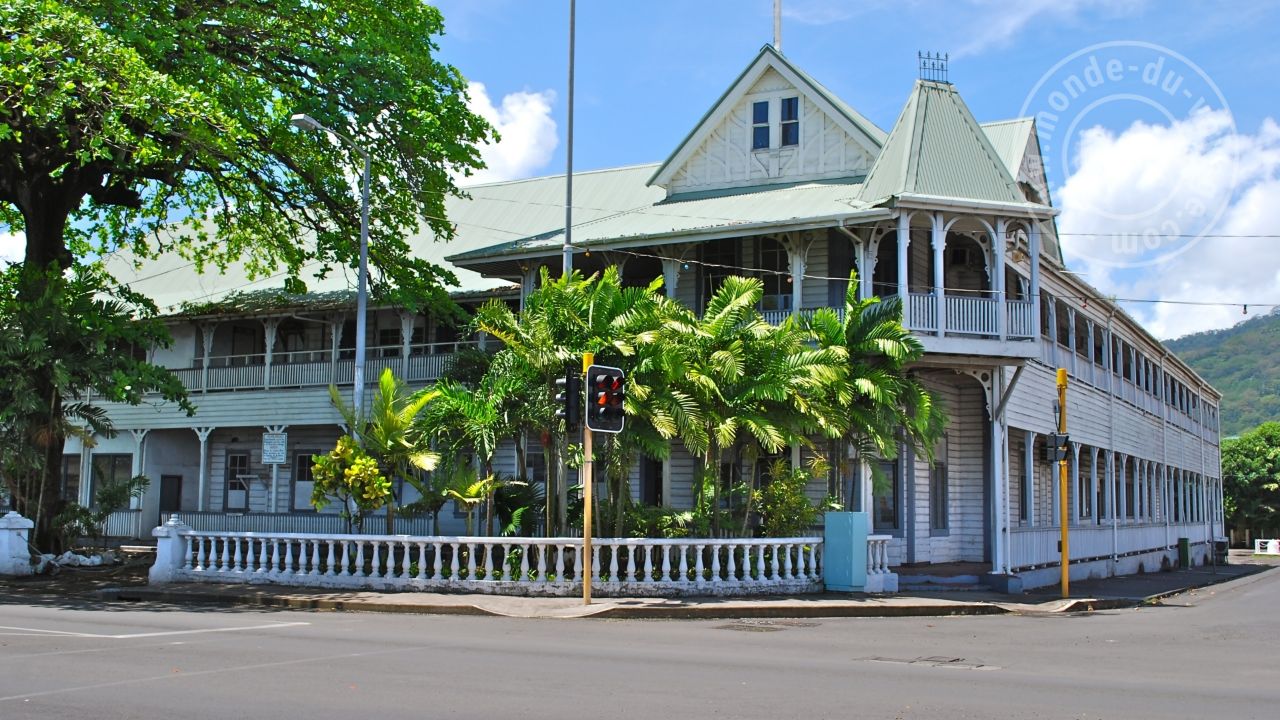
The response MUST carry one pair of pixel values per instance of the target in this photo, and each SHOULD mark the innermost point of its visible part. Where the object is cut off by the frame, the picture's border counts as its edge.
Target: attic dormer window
(760, 125)
(790, 121)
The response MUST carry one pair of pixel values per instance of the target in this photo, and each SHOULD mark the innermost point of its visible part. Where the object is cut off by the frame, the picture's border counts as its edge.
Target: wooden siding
(725, 158)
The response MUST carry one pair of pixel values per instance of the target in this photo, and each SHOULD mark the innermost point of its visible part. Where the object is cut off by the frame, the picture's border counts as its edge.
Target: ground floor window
(884, 499)
(109, 468)
(71, 478)
(303, 482)
(939, 500)
(237, 499)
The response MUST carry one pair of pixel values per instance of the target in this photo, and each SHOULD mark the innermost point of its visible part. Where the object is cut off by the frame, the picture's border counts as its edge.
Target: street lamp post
(306, 122)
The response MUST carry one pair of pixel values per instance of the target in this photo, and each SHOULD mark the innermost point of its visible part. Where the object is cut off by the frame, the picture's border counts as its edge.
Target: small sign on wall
(274, 448)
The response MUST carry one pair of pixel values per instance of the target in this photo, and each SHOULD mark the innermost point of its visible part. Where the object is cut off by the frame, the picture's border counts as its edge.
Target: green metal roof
(693, 214)
(1009, 140)
(937, 149)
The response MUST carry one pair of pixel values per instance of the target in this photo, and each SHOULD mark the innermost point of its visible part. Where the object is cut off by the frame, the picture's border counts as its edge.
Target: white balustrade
(971, 315)
(880, 579)
(1021, 319)
(922, 311)
(498, 565)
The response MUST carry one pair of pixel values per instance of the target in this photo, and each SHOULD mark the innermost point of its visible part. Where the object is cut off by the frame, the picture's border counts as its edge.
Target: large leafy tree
(160, 127)
(1251, 479)
(82, 336)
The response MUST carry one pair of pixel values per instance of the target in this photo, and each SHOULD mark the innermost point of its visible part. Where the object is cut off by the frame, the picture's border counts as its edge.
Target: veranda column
(335, 342)
(1122, 497)
(798, 254)
(269, 327)
(997, 280)
(1033, 289)
(139, 461)
(206, 336)
(1093, 485)
(999, 484)
(528, 283)
(867, 264)
(904, 278)
(1074, 484)
(670, 276)
(406, 338)
(1029, 477)
(939, 241)
(203, 434)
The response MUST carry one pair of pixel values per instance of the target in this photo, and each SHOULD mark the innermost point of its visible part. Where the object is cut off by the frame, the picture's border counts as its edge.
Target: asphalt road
(1211, 653)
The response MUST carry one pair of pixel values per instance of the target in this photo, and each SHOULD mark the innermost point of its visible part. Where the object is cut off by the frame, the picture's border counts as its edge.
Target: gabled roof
(937, 149)
(1009, 139)
(857, 125)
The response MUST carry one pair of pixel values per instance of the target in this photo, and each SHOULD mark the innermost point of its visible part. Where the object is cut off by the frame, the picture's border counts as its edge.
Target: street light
(310, 124)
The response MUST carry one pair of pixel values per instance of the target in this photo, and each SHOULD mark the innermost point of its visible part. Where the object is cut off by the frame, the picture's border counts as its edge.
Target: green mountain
(1243, 363)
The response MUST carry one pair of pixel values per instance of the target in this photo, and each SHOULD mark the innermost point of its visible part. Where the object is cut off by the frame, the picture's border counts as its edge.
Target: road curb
(713, 610)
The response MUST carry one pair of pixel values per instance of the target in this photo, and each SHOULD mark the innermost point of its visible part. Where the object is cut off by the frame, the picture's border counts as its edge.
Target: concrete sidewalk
(1086, 596)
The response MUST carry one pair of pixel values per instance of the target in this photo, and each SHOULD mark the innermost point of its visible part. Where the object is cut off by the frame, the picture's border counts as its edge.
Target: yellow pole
(1063, 498)
(587, 360)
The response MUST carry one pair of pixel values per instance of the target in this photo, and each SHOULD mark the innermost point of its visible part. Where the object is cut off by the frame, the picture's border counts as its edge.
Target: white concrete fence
(493, 565)
(15, 554)
(1266, 547)
(880, 579)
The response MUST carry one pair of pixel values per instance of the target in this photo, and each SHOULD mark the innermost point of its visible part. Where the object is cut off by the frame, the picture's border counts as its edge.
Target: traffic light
(606, 389)
(569, 398)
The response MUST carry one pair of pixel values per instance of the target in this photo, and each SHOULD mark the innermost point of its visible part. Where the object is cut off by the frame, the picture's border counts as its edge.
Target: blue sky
(646, 72)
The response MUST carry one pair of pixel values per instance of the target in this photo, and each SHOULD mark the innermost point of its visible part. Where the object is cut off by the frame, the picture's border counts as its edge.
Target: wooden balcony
(317, 368)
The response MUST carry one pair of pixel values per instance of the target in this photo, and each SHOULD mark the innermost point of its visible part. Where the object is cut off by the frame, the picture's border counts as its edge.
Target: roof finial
(777, 25)
(933, 66)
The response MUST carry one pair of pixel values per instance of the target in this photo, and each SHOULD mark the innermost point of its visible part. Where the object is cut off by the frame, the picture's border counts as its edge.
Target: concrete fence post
(15, 555)
(171, 548)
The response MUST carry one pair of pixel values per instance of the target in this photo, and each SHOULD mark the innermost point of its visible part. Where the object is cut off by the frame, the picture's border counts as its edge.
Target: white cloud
(994, 23)
(13, 246)
(528, 133)
(1154, 177)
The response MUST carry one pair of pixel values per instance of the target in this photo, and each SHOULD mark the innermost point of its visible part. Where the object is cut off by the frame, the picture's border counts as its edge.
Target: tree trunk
(44, 214)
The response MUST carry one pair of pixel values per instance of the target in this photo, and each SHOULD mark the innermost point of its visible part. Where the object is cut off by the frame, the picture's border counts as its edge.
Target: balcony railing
(972, 315)
(923, 311)
(1022, 320)
(318, 368)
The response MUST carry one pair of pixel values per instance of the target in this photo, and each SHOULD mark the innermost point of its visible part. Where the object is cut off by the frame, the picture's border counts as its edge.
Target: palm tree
(564, 318)
(389, 433)
(877, 396)
(745, 379)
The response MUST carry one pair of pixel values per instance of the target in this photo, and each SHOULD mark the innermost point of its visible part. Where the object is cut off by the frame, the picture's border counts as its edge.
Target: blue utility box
(844, 552)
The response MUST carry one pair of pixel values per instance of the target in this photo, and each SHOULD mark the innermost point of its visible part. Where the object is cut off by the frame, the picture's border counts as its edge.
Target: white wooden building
(780, 178)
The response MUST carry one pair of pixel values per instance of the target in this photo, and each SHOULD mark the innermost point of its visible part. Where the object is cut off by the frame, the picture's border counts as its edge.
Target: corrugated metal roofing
(1009, 139)
(496, 213)
(936, 148)
(705, 213)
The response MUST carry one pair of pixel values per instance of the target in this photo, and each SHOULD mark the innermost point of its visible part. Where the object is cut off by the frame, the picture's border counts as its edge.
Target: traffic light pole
(1062, 484)
(587, 466)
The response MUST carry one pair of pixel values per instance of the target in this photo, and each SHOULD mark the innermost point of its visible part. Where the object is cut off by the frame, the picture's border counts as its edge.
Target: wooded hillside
(1243, 362)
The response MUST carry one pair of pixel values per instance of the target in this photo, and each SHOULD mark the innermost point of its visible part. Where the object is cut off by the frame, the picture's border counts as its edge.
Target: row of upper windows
(1124, 360)
(788, 123)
